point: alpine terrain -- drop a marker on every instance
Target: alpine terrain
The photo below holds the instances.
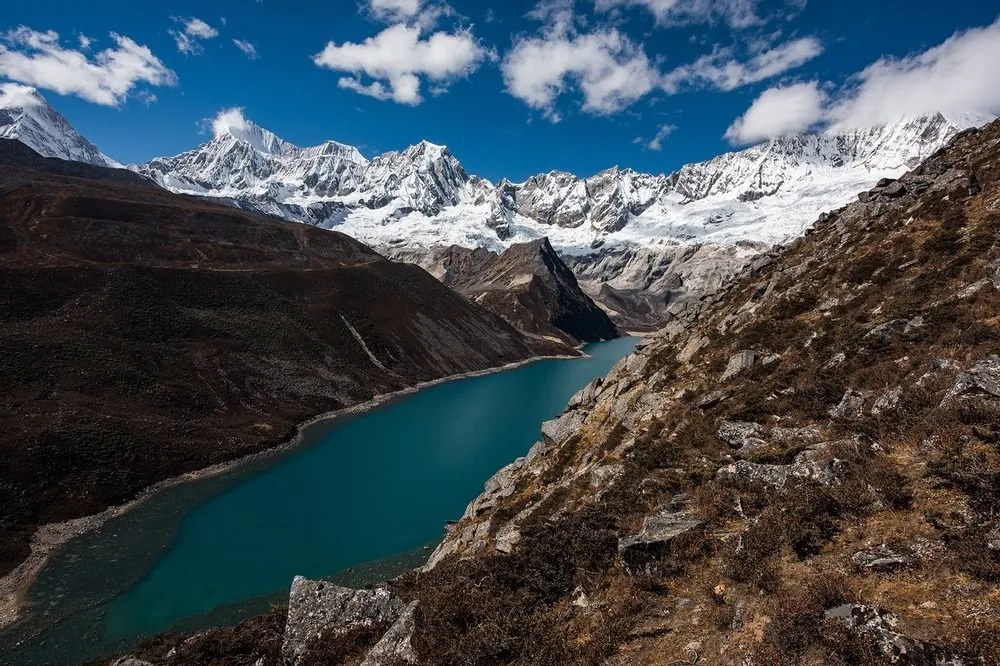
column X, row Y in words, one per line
column 146, row 334
column 637, row 242
column 803, row 470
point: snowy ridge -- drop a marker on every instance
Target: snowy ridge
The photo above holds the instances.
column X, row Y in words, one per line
column 423, row 197
column 27, row 117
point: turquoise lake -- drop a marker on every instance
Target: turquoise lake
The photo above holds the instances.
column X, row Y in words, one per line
column 361, row 499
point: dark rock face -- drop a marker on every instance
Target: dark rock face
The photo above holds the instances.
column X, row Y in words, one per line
column 146, row 334
column 531, row 287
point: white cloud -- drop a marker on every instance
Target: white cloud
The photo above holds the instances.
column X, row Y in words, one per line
column 611, row 71
column 398, row 59
column 736, row 13
column 422, row 13
column 37, row 58
column 722, row 71
column 394, row 10
column 656, row 143
column 16, row 95
column 194, row 31
column 84, row 41
column 249, row 48
column 957, row 76
column 777, row 112
column 228, row 120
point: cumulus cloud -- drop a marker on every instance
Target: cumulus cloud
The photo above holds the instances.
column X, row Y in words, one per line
column 724, row 72
column 956, row 78
column 394, row 10
column 610, row 70
column 777, row 112
column 397, row 60
column 38, row 59
column 736, row 13
column 228, row 121
column 192, row 33
column 16, row 95
column 249, row 48
column 656, row 143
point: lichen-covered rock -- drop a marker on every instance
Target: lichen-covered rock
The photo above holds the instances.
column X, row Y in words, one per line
column 558, row 429
column 882, row 558
column 981, row 380
column 852, row 405
column 318, row 607
column 641, row 552
column 587, row 395
column 739, row 363
column 742, row 435
column 879, row 627
column 887, row 401
column 395, row 646
column 812, row 464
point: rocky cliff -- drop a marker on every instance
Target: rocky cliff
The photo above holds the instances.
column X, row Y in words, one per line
column 145, row 334
column 527, row 284
column 804, row 469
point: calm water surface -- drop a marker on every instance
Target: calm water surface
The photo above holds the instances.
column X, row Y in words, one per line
column 362, row 499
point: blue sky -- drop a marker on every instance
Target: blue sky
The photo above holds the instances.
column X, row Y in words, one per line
column 516, row 89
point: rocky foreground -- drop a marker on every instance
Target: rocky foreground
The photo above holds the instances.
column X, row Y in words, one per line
column 146, row 334
column 804, row 471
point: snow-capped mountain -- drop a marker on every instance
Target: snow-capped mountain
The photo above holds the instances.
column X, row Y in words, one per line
column 423, row 196
column 27, row 117
column 635, row 240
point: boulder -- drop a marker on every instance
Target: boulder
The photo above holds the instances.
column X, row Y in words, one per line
column 981, row 380
column 713, row 398
column 739, row 363
column 395, row 646
column 879, row 626
column 852, row 405
column 887, row 401
column 642, row 552
column 894, row 190
column 318, row 607
column 742, row 435
column 887, row 331
column 812, row 464
column 587, row 395
column 882, row 559
column 559, row 429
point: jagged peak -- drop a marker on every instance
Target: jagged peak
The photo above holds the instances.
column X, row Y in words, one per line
column 25, row 115
column 233, row 126
column 428, row 150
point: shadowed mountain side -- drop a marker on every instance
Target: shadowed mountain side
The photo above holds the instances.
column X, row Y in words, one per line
column 145, row 334
column 528, row 284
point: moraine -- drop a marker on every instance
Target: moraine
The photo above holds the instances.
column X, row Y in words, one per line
column 365, row 496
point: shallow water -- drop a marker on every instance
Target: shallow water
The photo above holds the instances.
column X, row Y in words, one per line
column 365, row 496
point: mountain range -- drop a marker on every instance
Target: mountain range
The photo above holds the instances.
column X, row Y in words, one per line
column 642, row 245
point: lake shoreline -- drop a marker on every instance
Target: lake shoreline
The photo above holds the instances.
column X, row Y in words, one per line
column 52, row 537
